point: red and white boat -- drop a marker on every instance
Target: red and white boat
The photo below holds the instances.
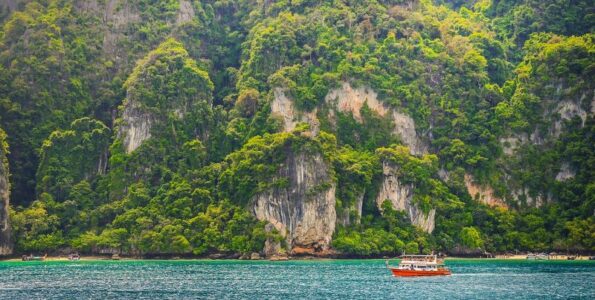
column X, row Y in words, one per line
column 419, row 265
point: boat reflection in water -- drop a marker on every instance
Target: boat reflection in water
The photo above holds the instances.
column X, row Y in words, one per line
column 419, row 265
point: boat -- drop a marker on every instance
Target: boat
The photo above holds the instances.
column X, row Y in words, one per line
column 74, row 257
column 538, row 256
column 33, row 258
column 418, row 265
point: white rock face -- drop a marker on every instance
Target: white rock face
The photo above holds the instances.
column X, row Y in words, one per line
column 304, row 210
column 400, row 195
column 282, row 107
column 5, row 229
column 567, row 111
column 118, row 15
column 536, row 201
column 566, row 172
column 483, row 194
column 348, row 99
column 135, row 127
column 186, row 12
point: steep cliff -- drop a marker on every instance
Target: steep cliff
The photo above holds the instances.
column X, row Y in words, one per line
column 5, row 232
column 136, row 125
column 349, row 99
column 184, row 90
column 400, row 196
column 303, row 209
column 483, row 194
column 283, row 107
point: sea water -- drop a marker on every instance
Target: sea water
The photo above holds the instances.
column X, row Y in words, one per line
column 316, row 279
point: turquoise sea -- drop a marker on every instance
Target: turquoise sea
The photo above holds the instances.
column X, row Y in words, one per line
column 319, row 279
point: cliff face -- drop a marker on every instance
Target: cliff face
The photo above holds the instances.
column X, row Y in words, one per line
column 400, row 196
column 483, row 194
column 303, row 210
column 349, row 99
column 5, row 233
column 283, row 108
column 136, row 125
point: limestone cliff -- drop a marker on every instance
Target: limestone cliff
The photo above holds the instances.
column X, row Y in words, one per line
column 136, row 125
column 283, row 108
column 400, row 196
column 483, row 194
column 303, row 210
column 5, row 233
column 349, row 99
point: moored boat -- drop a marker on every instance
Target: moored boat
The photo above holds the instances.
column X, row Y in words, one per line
column 538, row 256
column 418, row 265
column 33, row 258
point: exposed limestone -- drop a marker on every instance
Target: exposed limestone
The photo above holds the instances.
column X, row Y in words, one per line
column 348, row 99
column 271, row 246
column 282, row 107
column 511, row 144
column 186, row 12
column 401, row 196
column 566, row 172
column 117, row 16
column 136, row 125
column 567, row 110
column 483, row 194
column 523, row 195
column 5, row 230
column 304, row 210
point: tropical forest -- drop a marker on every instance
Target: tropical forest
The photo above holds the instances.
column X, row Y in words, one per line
column 288, row 128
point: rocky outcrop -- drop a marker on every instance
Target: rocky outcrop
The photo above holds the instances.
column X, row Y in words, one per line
column 116, row 19
column 400, row 196
column 567, row 110
column 5, row 232
column 186, row 12
column 523, row 195
column 136, row 125
column 349, row 99
column 566, row 172
column 483, row 194
column 283, row 108
column 303, row 210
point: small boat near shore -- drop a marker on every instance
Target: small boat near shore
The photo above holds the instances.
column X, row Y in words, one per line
column 418, row 265
column 538, row 256
column 33, row 258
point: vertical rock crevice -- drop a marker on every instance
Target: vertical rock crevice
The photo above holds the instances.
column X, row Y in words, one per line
column 303, row 209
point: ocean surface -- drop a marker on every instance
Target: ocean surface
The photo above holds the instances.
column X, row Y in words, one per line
column 319, row 279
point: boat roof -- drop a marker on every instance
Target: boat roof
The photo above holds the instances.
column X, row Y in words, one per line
column 418, row 255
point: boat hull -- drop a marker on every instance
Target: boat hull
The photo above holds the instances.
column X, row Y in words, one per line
column 414, row 273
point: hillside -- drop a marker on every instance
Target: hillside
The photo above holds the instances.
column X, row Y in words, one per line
column 339, row 127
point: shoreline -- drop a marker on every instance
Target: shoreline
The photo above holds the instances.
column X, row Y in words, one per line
column 298, row 258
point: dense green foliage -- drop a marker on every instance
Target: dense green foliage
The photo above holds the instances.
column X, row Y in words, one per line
column 501, row 91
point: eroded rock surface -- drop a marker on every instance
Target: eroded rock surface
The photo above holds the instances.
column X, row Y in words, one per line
column 5, row 232
column 400, row 196
column 303, row 211
column 483, row 194
column 349, row 99
column 136, row 125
